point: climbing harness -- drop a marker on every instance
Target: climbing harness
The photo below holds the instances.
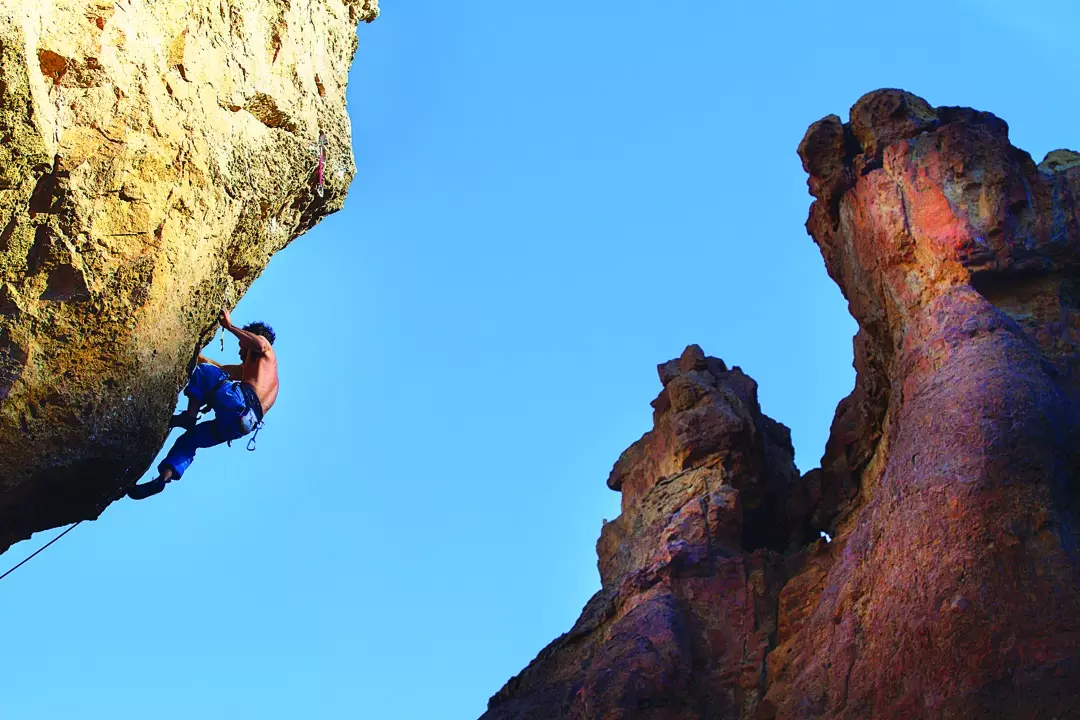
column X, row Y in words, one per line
column 320, row 188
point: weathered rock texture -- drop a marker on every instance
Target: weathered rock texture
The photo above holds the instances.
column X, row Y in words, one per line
column 950, row 483
column 690, row 579
column 154, row 156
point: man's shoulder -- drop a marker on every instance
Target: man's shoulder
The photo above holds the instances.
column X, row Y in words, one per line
column 267, row 359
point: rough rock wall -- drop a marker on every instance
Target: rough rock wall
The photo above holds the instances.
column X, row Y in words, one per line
column 691, row 569
column 953, row 587
column 154, row 156
column 950, row 483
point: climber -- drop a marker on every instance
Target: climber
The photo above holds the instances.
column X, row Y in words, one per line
column 240, row 396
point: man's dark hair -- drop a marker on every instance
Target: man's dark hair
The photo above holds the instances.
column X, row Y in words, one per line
column 261, row 328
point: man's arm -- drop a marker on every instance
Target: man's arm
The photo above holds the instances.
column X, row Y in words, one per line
column 236, row 372
column 248, row 341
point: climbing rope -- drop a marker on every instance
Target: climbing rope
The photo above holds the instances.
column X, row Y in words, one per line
column 101, row 508
column 31, row 556
column 40, row 550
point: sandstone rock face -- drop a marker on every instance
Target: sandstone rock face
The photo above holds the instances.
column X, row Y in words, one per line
column 154, row 156
column 950, row 483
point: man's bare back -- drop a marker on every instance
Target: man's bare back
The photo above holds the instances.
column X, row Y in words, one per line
column 260, row 372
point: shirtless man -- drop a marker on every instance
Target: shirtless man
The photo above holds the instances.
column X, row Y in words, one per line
column 240, row 396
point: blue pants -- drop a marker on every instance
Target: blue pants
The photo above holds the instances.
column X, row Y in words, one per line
column 210, row 385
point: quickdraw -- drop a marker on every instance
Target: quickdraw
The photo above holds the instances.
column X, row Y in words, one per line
column 321, row 186
column 251, row 442
column 58, row 128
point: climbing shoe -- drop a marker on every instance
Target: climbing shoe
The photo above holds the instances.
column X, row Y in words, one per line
column 141, row 492
column 183, row 420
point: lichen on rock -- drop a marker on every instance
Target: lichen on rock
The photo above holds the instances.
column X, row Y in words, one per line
column 154, row 156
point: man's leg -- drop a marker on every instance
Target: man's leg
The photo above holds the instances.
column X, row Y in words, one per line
column 203, row 383
column 204, row 435
column 193, row 407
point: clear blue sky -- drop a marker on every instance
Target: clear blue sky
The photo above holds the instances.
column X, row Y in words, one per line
column 551, row 199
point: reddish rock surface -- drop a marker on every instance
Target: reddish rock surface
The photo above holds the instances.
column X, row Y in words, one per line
column 691, row 576
column 950, row 483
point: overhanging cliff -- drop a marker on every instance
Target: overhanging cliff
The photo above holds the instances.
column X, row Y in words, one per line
column 154, row 156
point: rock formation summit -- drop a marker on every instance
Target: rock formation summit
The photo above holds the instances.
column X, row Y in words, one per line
column 154, row 155
column 950, row 482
